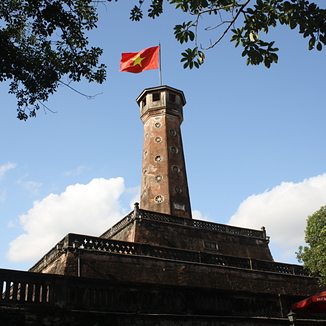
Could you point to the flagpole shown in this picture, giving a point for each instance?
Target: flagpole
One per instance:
(160, 65)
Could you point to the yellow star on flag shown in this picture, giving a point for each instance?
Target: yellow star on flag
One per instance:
(137, 60)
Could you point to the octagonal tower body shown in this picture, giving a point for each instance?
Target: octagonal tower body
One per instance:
(164, 186)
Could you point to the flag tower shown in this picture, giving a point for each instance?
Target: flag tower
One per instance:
(164, 186)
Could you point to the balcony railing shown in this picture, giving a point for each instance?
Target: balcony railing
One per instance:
(143, 214)
(127, 248)
(30, 290)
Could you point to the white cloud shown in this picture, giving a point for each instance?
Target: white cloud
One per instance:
(134, 193)
(10, 224)
(283, 211)
(4, 168)
(32, 187)
(94, 207)
(79, 170)
(197, 215)
(85, 209)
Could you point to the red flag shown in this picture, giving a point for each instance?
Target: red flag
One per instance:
(139, 61)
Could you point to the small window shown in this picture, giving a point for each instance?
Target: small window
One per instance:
(144, 101)
(156, 96)
(179, 207)
(172, 97)
(210, 245)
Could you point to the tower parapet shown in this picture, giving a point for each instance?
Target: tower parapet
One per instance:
(164, 187)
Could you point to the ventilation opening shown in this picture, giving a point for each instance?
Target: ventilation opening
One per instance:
(156, 96)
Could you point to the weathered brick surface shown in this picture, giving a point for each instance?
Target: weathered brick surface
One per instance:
(189, 238)
(128, 233)
(129, 268)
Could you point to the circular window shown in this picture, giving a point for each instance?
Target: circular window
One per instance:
(158, 139)
(157, 124)
(174, 150)
(178, 190)
(173, 132)
(159, 178)
(159, 199)
(175, 169)
(158, 158)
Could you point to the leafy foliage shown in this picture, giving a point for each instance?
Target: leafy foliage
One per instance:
(314, 255)
(43, 41)
(254, 16)
(192, 58)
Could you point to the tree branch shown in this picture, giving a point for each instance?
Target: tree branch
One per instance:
(89, 97)
(230, 24)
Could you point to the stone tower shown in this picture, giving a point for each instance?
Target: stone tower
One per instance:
(164, 187)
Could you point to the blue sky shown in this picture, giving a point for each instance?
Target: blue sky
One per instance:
(253, 140)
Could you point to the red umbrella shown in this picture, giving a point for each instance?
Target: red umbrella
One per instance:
(314, 304)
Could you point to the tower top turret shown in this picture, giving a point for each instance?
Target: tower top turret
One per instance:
(156, 98)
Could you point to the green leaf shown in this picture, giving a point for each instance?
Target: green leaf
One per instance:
(136, 14)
